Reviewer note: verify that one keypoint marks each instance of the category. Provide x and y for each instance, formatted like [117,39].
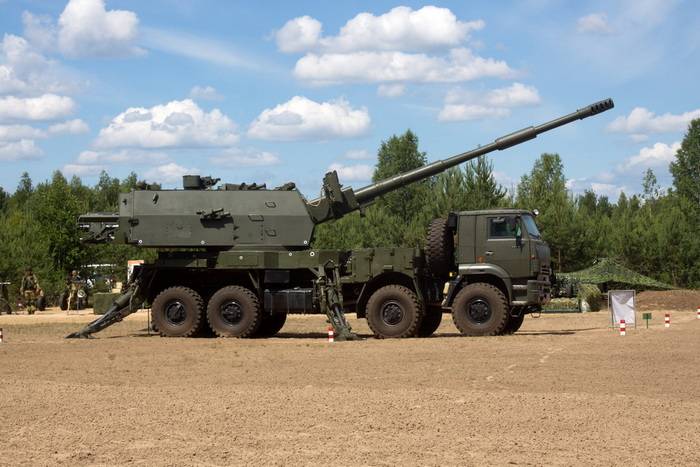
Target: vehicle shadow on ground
[363,336]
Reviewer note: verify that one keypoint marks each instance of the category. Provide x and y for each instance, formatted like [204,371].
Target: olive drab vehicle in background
[235,259]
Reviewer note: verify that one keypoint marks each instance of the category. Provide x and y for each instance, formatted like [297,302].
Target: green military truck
[236,259]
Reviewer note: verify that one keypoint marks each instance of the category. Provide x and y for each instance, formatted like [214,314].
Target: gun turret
[245,216]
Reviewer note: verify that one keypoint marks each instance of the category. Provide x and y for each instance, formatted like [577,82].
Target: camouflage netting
[610,274]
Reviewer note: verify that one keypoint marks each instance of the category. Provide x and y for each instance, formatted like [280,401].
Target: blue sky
[284,91]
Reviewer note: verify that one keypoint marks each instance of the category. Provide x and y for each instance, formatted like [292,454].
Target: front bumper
[539,292]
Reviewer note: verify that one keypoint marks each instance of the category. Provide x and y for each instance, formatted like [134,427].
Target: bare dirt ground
[669,300]
[565,390]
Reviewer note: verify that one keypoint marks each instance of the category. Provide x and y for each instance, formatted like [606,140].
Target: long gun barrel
[338,201]
[370,192]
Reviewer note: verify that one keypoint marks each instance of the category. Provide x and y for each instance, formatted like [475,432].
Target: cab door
[496,244]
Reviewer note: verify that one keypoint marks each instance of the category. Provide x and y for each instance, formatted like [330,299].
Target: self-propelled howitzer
[238,259]
[245,216]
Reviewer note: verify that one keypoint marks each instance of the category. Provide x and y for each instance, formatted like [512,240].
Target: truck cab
[499,254]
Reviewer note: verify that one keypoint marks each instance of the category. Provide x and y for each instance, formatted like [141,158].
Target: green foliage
[38,230]
[686,168]
[591,294]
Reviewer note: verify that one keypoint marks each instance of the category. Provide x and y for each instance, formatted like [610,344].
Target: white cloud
[25,71]
[358,154]
[389,48]
[461,112]
[169,173]
[301,118]
[594,23]
[515,95]
[642,121]
[82,170]
[207,93]
[298,34]
[375,67]
[607,189]
[19,132]
[391,90]
[402,28]
[199,48]
[600,188]
[234,158]
[86,28]
[40,31]
[42,108]
[69,127]
[660,154]
[123,156]
[175,124]
[353,173]
[19,150]
[465,105]
[89,163]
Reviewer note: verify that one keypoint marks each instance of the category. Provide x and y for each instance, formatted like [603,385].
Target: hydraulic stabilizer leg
[331,301]
[124,305]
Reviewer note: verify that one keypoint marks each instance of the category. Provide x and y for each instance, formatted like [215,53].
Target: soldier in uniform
[74,284]
[29,288]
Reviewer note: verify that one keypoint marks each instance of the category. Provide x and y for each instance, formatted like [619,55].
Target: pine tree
[686,168]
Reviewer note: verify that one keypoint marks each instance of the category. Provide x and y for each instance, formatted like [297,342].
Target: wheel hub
[392,313]
[479,310]
[231,312]
[175,312]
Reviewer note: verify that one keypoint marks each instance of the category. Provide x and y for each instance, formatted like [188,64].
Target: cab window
[502,227]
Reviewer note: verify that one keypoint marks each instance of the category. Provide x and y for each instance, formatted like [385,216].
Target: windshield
[530,226]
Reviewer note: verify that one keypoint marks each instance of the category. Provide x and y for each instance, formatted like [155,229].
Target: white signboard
[621,303]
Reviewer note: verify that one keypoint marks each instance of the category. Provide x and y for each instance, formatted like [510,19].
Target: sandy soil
[566,390]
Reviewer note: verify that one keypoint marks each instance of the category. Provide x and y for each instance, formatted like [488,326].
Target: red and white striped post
[623,327]
[331,337]
[0,335]
[667,320]
[699,312]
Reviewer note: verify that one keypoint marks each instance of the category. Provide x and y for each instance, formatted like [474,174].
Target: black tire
[177,312]
[271,324]
[234,311]
[439,248]
[480,310]
[41,303]
[514,323]
[431,321]
[63,304]
[394,311]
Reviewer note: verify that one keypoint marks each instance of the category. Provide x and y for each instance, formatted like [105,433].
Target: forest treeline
[654,232]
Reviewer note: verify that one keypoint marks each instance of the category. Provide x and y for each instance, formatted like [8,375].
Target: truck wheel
[514,324]
[431,321]
[439,248]
[394,311]
[234,311]
[271,324]
[177,312]
[480,310]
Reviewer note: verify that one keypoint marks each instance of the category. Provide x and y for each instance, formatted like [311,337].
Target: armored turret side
[219,218]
